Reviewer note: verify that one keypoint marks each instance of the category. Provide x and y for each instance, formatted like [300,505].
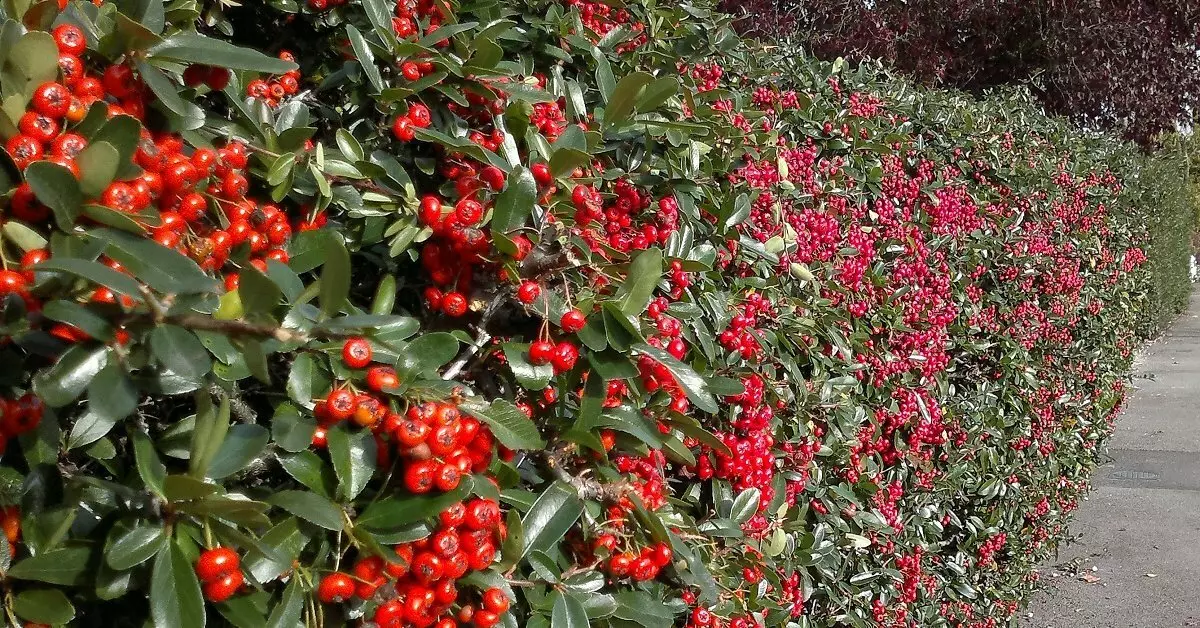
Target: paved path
[1140,530]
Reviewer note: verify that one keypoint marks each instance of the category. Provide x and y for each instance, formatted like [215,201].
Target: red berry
[447,478]
[336,587]
[223,588]
[380,378]
[418,477]
[541,352]
[51,100]
[419,115]
[541,174]
[410,70]
[528,292]
[216,563]
[454,304]
[468,212]
[565,357]
[495,601]
[572,321]
[402,128]
[340,404]
[70,39]
[356,352]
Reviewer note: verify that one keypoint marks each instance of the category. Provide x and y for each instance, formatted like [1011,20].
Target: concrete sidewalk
[1138,557]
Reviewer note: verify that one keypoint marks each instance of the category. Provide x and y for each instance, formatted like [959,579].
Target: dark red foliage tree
[1127,66]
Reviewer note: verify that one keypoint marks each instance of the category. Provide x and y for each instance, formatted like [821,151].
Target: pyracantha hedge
[535,314]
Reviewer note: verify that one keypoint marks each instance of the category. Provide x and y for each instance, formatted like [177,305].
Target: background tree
[1126,66]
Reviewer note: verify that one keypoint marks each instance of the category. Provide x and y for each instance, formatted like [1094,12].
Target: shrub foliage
[536,314]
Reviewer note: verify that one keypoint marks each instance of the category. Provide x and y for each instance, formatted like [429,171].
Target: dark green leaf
[365,57]
[510,426]
[335,276]
[624,96]
[212,424]
[287,612]
[192,116]
[46,606]
[528,375]
[98,164]
[65,566]
[195,48]
[175,600]
[353,456]
[309,507]
[258,293]
[636,291]
[291,429]
[135,546]
[180,351]
[150,467]
[426,353]
[111,394]
[57,189]
[568,612]
[515,204]
[94,272]
[242,444]
[693,385]
[63,382]
[550,517]
[163,269]
[392,513]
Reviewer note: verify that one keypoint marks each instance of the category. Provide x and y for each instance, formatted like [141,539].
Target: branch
[482,336]
[160,315]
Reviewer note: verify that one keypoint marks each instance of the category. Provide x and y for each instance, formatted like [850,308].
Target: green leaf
[258,293]
[287,612]
[57,189]
[135,546]
[693,385]
[309,507]
[335,276]
[81,316]
[166,270]
[515,204]
[638,288]
[745,505]
[97,167]
[640,607]
[380,15]
[624,96]
[192,47]
[150,467]
[66,566]
[391,513]
[566,159]
[63,382]
[657,93]
[353,458]
[426,353]
[175,600]
[510,426]
[568,612]
[94,272]
[365,57]
[286,539]
[242,445]
[291,429]
[307,380]
[180,351]
[45,606]
[529,375]
[123,133]
[191,115]
[550,517]
[111,393]
[212,424]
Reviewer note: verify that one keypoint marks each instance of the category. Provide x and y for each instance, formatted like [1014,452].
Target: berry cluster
[274,90]
[418,585]
[220,572]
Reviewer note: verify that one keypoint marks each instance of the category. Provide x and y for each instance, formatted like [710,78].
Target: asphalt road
[1137,562]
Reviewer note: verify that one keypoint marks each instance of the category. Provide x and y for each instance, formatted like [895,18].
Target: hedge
[537,314]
